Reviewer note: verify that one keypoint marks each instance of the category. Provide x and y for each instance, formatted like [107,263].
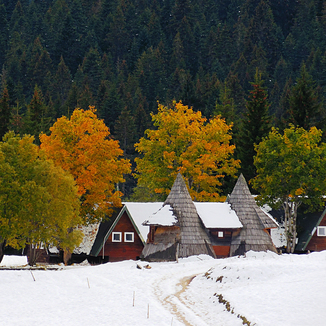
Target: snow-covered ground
[261,288]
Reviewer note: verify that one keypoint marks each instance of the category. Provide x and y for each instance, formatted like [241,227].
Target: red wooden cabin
[317,238]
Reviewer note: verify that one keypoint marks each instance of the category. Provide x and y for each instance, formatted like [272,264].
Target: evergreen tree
[5,113]
[225,106]
[39,66]
[91,68]
[125,132]
[3,34]
[37,119]
[60,86]
[117,37]
[255,125]
[304,105]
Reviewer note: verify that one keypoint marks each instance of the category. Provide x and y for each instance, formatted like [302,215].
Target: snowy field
[261,289]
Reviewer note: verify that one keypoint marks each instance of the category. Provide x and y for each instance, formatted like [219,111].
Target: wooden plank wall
[117,251]
[317,243]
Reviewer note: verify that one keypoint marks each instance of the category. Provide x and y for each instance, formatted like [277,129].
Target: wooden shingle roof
[193,237]
[253,235]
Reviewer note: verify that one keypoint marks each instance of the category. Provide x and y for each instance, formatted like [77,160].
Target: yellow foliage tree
[82,146]
[186,142]
[39,203]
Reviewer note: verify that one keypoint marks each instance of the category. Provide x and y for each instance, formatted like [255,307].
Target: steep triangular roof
[107,226]
[185,235]
[252,236]
[193,237]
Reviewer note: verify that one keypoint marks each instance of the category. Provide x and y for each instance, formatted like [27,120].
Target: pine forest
[257,64]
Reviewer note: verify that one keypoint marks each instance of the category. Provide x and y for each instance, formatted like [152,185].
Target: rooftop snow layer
[141,212]
[163,216]
[218,215]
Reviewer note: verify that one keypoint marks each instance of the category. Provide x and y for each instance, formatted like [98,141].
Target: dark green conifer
[5,113]
[256,124]
[304,104]
[36,119]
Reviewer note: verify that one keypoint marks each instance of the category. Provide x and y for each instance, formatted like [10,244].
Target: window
[116,236]
[321,231]
[220,234]
[129,236]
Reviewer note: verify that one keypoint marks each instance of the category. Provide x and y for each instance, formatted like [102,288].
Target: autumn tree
[184,141]
[39,203]
[82,146]
[291,169]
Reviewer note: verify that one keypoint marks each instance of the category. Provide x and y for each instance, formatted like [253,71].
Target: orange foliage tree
[82,146]
[186,142]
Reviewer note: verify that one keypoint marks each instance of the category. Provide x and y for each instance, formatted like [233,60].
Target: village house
[312,228]
[179,228]
[257,224]
[233,228]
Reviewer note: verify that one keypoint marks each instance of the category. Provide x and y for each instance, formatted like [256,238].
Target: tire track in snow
[181,308]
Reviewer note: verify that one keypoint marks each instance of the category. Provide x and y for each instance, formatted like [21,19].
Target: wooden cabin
[311,232]
[122,237]
[221,223]
[176,230]
[255,233]
[179,228]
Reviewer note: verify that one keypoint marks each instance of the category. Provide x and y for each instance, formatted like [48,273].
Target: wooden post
[88,283]
[148,312]
[133,299]
[32,275]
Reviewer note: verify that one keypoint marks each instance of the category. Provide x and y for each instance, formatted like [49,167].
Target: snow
[141,212]
[218,215]
[90,232]
[264,288]
[164,216]
[213,214]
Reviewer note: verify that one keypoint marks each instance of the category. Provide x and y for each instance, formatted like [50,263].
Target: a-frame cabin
[255,233]
[176,230]
[118,239]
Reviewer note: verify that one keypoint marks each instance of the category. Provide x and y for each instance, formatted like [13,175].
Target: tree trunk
[66,256]
[294,226]
[2,248]
[287,217]
[33,254]
[290,224]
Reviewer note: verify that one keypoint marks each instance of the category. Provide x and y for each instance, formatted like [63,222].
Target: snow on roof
[164,216]
[266,209]
[218,215]
[213,215]
[141,212]
[90,232]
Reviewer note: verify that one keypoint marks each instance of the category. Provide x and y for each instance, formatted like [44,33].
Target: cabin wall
[222,251]
[317,243]
[118,251]
[221,241]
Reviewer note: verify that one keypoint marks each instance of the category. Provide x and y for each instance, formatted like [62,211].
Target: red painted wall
[317,243]
[117,251]
[222,251]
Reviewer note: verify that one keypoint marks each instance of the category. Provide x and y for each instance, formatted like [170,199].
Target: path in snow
[174,302]
[173,293]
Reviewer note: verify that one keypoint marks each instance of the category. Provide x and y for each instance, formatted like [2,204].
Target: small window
[321,231]
[129,236]
[220,234]
[116,236]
